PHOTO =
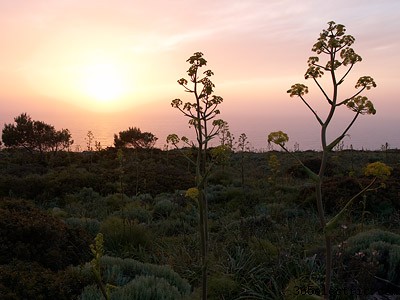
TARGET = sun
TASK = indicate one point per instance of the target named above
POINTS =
(104, 83)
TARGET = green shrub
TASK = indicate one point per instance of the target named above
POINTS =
(176, 226)
(122, 236)
(58, 213)
(163, 208)
(86, 203)
(371, 255)
(222, 287)
(146, 288)
(115, 202)
(263, 250)
(91, 226)
(132, 211)
(91, 292)
(141, 288)
(131, 268)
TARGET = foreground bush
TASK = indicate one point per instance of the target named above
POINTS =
(142, 288)
(372, 260)
(29, 280)
(135, 280)
(28, 234)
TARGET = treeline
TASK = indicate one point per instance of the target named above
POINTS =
(41, 137)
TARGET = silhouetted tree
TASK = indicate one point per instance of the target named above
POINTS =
(35, 135)
(135, 138)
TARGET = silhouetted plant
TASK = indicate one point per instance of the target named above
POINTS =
(336, 45)
(242, 147)
(201, 114)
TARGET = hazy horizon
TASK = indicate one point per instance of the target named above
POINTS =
(105, 67)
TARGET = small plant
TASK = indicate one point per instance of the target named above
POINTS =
(242, 147)
(98, 251)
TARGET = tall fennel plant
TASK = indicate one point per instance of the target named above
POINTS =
(202, 113)
(335, 46)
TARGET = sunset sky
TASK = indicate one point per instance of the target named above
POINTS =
(106, 65)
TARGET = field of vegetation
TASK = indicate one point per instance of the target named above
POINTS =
(198, 222)
(264, 238)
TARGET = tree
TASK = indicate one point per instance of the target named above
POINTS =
(201, 114)
(336, 46)
(135, 138)
(35, 135)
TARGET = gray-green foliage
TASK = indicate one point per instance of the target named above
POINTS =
(122, 235)
(380, 246)
(141, 288)
(163, 208)
(147, 288)
(136, 280)
(88, 203)
(91, 292)
(118, 268)
(132, 211)
(92, 226)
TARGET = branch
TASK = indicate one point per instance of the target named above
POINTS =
(333, 222)
(344, 76)
(337, 140)
(184, 154)
(312, 110)
(323, 91)
(310, 173)
(355, 95)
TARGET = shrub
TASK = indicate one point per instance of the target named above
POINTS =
(29, 234)
(163, 208)
(222, 287)
(122, 236)
(131, 268)
(173, 227)
(115, 202)
(137, 280)
(141, 288)
(91, 292)
(86, 203)
(29, 280)
(147, 288)
(373, 260)
(263, 250)
(132, 211)
(91, 226)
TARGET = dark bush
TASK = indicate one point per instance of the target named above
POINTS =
(372, 260)
(28, 234)
(29, 280)
(313, 164)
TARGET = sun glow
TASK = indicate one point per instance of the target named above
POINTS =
(104, 83)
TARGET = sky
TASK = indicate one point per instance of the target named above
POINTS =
(105, 66)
